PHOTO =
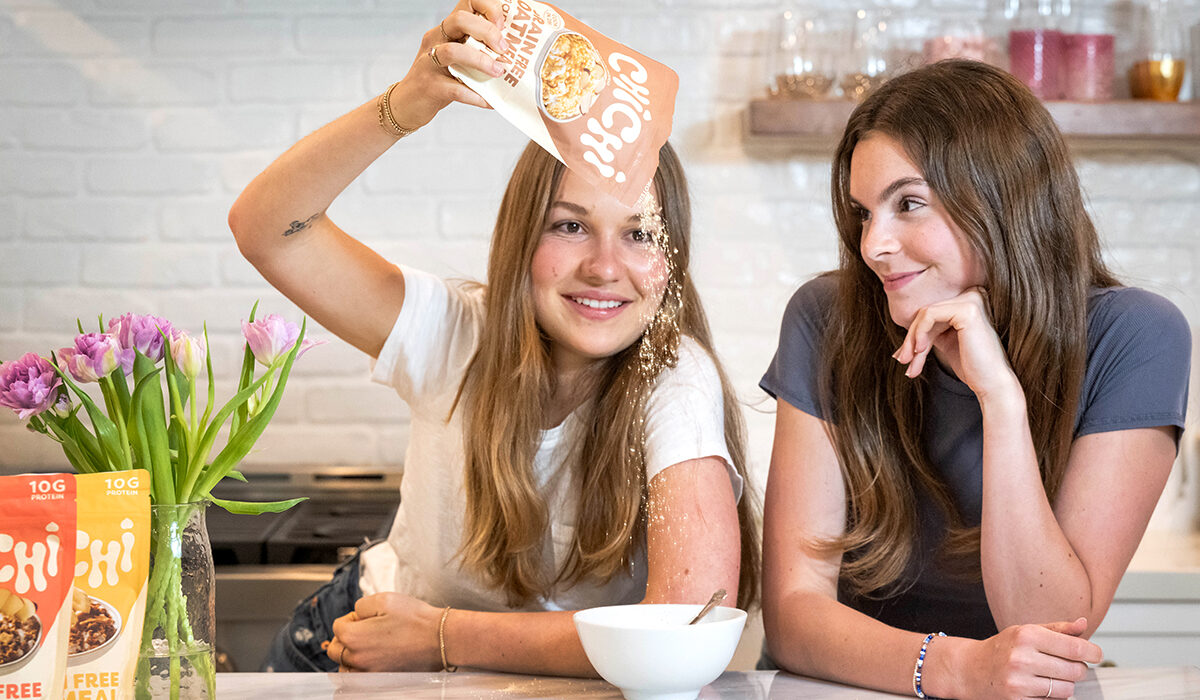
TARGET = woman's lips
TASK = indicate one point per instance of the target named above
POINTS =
(894, 282)
(596, 309)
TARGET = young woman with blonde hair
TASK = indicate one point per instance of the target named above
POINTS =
(574, 441)
(975, 420)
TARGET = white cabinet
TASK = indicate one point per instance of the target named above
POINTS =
(1155, 617)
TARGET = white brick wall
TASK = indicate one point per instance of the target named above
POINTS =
(128, 127)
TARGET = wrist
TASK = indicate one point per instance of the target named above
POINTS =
(942, 661)
(1004, 397)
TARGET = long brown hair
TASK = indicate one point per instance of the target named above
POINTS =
(993, 156)
(510, 379)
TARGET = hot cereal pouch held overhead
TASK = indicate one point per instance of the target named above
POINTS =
(601, 108)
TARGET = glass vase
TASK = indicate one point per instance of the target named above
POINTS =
(176, 655)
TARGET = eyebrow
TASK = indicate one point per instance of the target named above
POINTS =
(894, 186)
(581, 211)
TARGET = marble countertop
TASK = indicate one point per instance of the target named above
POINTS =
(1175, 683)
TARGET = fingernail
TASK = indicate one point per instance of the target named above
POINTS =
(497, 69)
(503, 45)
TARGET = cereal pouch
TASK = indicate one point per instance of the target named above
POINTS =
(601, 108)
(37, 555)
(108, 603)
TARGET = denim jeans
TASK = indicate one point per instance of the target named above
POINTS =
(298, 644)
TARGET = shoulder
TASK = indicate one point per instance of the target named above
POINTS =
(1119, 316)
(814, 298)
(695, 368)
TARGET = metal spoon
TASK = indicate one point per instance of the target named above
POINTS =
(712, 603)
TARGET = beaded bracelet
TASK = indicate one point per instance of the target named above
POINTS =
(921, 664)
(386, 121)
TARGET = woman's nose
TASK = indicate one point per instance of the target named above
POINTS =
(878, 239)
(602, 261)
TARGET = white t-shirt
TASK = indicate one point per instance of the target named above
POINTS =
(424, 359)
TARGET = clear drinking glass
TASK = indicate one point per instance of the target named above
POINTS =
(801, 64)
(869, 53)
(1159, 65)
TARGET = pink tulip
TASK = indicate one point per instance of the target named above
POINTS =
(189, 353)
(95, 355)
(141, 332)
(29, 385)
(271, 337)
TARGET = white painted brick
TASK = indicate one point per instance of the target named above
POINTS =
(57, 310)
(378, 219)
(1146, 175)
(347, 6)
(6, 31)
(295, 81)
(163, 267)
(38, 264)
(224, 130)
(468, 219)
(127, 82)
(12, 217)
(39, 175)
(235, 271)
(232, 37)
(223, 309)
(141, 6)
(238, 169)
(59, 33)
(1155, 267)
(334, 358)
(43, 84)
(150, 175)
(461, 125)
(8, 133)
(347, 403)
(655, 33)
(439, 173)
(79, 130)
(12, 302)
(362, 34)
(77, 219)
(22, 450)
(1127, 221)
(286, 445)
(196, 221)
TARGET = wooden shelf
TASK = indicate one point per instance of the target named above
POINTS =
(823, 120)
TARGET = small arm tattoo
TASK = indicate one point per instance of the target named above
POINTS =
(298, 226)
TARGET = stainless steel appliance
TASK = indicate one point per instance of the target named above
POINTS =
(265, 564)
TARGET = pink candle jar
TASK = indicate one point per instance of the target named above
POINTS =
(1036, 58)
(1088, 66)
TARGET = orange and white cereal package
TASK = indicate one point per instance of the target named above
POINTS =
(108, 601)
(37, 557)
(600, 107)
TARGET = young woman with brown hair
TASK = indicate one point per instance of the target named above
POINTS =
(975, 420)
(574, 441)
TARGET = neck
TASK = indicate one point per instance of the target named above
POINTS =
(572, 386)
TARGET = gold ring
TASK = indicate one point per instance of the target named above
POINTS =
(342, 656)
(434, 58)
(442, 28)
(1050, 689)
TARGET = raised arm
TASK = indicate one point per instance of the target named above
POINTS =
(279, 220)
(692, 550)
(1044, 561)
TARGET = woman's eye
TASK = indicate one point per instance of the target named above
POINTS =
(641, 236)
(909, 204)
(568, 226)
(861, 214)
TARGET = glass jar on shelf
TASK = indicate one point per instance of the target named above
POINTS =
(960, 36)
(1089, 46)
(1035, 46)
(867, 67)
(802, 57)
(1159, 63)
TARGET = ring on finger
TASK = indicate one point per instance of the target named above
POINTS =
(433, 57)
(1050, 689)
(442, 29)
(342, 656)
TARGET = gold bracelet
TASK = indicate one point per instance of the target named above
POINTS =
(386, 121)
(442, 642)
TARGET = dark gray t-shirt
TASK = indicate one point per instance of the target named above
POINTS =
(1139, 350)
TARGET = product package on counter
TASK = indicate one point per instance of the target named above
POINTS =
(601, 108)
(108, 605)
(37, 559)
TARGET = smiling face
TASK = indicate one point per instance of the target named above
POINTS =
(908, 239)
(597, 277)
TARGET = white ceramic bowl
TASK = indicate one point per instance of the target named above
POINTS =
(651, 652)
